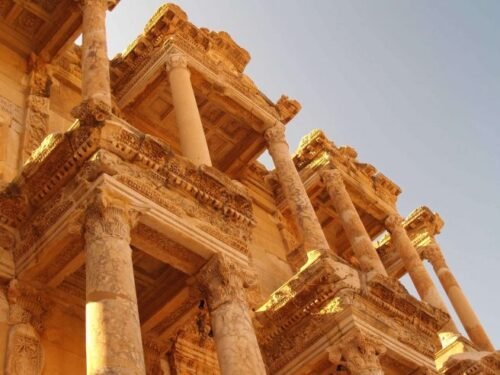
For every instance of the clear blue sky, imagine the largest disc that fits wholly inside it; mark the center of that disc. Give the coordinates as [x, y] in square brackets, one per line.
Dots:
[414, 86]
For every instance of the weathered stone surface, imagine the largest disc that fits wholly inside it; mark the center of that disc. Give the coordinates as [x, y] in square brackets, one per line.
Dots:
[172, 128]
[237, 347]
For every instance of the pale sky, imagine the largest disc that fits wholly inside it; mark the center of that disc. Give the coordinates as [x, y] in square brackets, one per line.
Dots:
[413, 86]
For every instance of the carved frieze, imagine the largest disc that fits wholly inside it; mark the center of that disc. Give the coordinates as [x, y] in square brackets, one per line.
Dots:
[311, 304]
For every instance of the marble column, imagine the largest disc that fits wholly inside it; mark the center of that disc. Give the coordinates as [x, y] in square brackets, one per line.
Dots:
[113, 332]
[95, 63]
[415, 267]
[294, 190]
[464, 310]
[235, 341]
[191, 134]
[354, 229]
[359, 354]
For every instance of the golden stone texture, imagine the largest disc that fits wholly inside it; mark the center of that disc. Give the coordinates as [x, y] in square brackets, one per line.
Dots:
[144, 237]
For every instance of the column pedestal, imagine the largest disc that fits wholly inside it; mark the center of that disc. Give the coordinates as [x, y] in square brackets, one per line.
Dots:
[236, 344]
[460, 303]
[113, 332]
[354, 229]
[415, 268]
[191, 134]
[96, 88]
[294, 191]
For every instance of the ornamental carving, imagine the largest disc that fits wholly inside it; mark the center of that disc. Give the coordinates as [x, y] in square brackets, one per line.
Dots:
[92, 112]
[393, 223]
[221, 281]
[24, 351]
[107, 219]
[275, 134]
[434, 255]
[37, 106]
[360, 353]
[176, 60]
[332, 178]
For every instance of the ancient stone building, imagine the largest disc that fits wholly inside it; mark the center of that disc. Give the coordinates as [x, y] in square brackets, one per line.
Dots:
[140, 235]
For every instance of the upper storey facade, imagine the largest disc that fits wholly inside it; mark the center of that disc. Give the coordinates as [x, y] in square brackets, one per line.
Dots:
[135, 218]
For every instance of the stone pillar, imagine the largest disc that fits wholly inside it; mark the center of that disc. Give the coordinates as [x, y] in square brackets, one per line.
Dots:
[36, 123]
[457, 297]
[359, 354]
[351, 222]
[191, 134]
[236, 344]
[24, 354]
[294, 191]
[95, 63]
[113, 332]
[415, 267]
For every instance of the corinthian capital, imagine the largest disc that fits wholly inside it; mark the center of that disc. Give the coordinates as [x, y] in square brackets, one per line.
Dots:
[434, 255]
[359, 353]
[176, 60]
[221, 281]
[332, 177]
[109, 216]
[275, 134]
[393, 222]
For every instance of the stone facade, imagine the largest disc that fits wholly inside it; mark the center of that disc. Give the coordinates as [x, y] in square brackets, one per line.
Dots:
[140, 235]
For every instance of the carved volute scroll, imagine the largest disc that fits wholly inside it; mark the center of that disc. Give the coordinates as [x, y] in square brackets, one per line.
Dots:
[108, 221]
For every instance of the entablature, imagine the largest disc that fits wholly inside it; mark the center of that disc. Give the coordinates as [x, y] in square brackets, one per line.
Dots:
[66, 167]
[309, 314]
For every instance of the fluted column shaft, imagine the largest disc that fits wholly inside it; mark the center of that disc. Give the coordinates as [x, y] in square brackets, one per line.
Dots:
[235, 341]
[95, 63]
[113, 333]
[294, 191]
[415, 267]
[457, 298]
[354, 229]
[191, 134]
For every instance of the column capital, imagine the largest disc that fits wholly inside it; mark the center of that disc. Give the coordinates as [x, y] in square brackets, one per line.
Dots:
[275, 134]
[176, 59]
[434, 255]
[332, 177]
[394, 222]
[221, 281]
[109, 216]
[359, 353]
